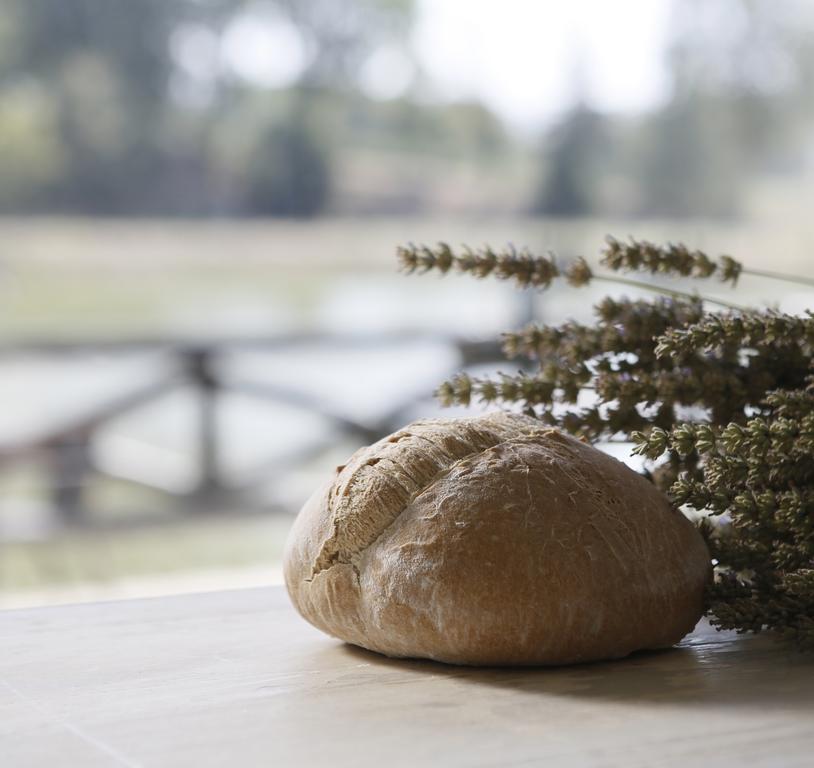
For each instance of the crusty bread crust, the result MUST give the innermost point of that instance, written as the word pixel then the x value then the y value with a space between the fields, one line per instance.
pixel 494 540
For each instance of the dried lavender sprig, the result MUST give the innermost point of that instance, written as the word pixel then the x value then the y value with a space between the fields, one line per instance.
pixel 524 268
pixel 637 255
pixel 508 264
pixel 463 389
pixel 755 328
pixel 678 259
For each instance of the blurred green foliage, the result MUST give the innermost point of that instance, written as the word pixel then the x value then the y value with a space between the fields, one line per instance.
pixel 98 114
pixel 116 107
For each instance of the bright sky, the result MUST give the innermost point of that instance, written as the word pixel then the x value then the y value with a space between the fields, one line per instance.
pixel 527 59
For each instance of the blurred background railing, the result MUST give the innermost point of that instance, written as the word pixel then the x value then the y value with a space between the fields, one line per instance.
pixel 67 451
pixel 199 205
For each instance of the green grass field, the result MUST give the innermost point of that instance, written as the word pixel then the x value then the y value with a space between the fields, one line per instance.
pixel 77 278
pixel 89 563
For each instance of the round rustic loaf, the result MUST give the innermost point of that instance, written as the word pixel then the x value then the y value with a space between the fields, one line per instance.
pixel 494 540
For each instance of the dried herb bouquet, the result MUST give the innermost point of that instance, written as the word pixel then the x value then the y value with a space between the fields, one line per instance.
pixel 720 403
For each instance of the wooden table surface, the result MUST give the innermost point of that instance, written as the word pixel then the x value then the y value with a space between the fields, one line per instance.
pixel 238 679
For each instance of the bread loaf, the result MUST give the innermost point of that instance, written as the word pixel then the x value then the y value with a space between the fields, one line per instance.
pixel 494 540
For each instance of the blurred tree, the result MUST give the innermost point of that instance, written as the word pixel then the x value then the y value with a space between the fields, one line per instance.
pixel 686 164
pixel 112 108
pixel 106 66
pixel 340 34
pixel 572 159
pixel 740 82
pixel 293 177
pixel 738 69
pixel 33 161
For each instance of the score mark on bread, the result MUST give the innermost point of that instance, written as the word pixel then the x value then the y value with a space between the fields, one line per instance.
pixel 381 481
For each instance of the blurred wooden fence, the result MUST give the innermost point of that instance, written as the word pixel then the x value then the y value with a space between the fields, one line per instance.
pixel 65 451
